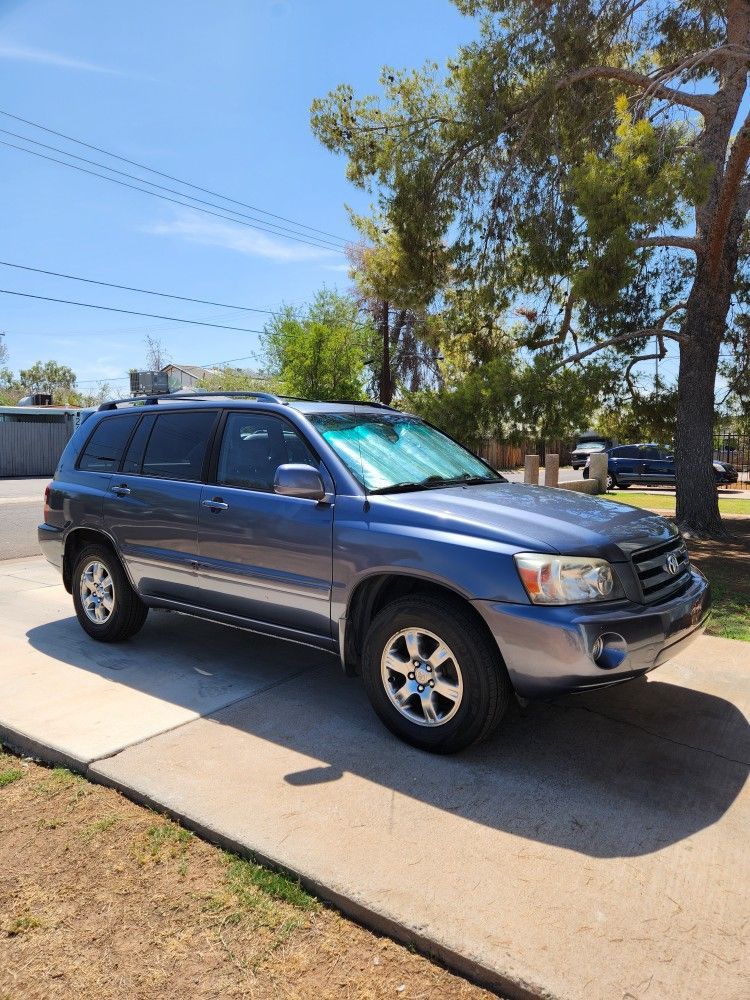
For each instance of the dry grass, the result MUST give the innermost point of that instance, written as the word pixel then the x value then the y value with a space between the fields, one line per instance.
pixel 102 899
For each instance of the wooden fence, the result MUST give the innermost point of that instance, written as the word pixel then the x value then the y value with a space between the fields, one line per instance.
pixel 501 455
pixel 31 448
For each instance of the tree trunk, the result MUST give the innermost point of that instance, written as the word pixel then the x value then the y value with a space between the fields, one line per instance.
pixel 705 321
pixel 386 377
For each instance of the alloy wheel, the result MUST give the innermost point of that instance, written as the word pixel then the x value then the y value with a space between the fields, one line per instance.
pixel 421 677
pixel 97 592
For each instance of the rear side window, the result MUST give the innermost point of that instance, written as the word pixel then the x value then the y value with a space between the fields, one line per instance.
pixel 178 445
pixel 104 448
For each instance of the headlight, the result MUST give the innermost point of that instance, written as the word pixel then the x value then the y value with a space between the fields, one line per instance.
pixel 566 579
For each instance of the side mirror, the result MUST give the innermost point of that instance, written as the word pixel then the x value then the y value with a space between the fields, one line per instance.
pixel 301 481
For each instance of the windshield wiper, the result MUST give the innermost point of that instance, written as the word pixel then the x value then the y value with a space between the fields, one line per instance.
pixel 401 488
pixel 434 483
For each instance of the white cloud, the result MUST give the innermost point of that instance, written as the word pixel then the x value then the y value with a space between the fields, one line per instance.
pixel 192 227
pixel 24 53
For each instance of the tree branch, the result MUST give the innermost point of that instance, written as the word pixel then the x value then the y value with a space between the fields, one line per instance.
pixel 731 188
pixel 621 338
pixel 698 102
pixel 683 242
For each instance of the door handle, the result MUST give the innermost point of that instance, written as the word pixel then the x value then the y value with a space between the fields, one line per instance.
pixel 215 504
pixel 121 491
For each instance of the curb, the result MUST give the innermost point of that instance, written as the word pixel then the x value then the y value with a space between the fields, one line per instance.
pixel 509 987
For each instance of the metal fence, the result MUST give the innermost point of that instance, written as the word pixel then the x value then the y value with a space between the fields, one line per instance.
pixel 33 448
pixel 735 449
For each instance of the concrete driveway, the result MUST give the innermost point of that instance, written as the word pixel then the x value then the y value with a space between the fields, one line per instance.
pixel 597 848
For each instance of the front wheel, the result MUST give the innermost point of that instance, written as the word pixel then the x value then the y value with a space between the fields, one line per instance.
pixel 106 605
pixel 433 675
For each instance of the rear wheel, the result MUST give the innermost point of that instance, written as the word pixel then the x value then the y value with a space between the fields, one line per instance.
pixel 433 675
pixel 612 483
pixel 106 605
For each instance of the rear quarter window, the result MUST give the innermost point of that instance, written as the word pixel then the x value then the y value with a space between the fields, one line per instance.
pixel 104 449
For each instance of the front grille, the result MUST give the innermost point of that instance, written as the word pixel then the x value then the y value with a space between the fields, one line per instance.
pixel 650 565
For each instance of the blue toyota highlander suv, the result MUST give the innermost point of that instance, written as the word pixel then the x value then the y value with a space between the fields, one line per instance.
pixel 365 531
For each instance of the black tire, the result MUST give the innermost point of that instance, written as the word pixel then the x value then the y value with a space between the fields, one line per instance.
pixel 486 685
pixel 128 612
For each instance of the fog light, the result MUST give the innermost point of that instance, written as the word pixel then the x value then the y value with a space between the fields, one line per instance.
pixel 609 651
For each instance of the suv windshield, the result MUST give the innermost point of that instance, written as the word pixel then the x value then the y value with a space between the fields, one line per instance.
pixel 387 452
pixel 591 446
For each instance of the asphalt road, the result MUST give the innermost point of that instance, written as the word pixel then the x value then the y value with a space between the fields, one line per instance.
pixel 21 507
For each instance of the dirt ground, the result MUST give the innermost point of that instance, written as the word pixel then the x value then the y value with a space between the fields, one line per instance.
pixel 103 899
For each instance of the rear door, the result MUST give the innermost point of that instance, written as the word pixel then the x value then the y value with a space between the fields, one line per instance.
pixel 658 467
pixel 152 505
pixel 265 557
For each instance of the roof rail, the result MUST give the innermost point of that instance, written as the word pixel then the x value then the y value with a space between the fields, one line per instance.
pixel 348 402
pixel 112 404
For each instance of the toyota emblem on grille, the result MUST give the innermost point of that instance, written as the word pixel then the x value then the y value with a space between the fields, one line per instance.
pixel 671 564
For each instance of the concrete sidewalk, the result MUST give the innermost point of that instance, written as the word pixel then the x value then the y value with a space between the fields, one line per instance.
pixel 596 848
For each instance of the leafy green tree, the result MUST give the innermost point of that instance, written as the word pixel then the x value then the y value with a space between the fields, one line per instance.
pixel 236 380
pixel 403 351
pixel 50 377
pixel 319 352
pixel 575 148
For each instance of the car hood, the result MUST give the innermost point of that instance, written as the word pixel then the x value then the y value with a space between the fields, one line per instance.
pixel 534 517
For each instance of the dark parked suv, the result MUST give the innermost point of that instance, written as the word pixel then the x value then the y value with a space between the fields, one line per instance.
pixel 364 531
pixel 650 465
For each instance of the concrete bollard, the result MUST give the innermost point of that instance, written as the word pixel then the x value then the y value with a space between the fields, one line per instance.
pixel 551 470
pixel 598 469
pixel 531 470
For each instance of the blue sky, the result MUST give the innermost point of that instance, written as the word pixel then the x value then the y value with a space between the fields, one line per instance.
pixel 218 94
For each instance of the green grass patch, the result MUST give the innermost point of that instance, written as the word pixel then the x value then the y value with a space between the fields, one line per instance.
pixel 731 613
pixel 59 780
pixel 21 925
pixel 249 882
pixel 666 502
pixel 163 842
pixel 8 776
pixel 100 826
pixel 9 769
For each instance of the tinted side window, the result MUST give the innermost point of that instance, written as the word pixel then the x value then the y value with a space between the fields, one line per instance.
pixel 650 452
pixel 628 452
pixel 104 448
pixel 254 445
pixel 177 445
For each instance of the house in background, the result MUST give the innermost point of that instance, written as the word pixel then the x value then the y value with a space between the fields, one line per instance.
pixel 186 376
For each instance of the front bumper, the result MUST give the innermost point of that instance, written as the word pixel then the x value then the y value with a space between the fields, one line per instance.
pixel 547 650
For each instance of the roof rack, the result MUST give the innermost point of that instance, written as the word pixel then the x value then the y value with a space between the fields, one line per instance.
pixel 112 404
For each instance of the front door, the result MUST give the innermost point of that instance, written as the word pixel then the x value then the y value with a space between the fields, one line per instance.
pixel 152 505
pixel 264 557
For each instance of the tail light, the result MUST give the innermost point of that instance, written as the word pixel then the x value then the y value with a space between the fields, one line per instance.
pixel 47 488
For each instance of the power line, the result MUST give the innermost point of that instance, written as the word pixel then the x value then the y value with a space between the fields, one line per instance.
pixel 159 173
pixel 175 201
pixel 129 288
pixel 130 312
pixel 278 230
